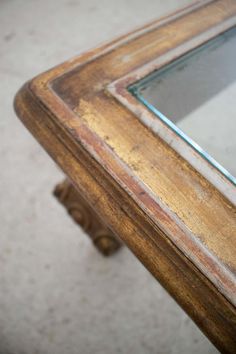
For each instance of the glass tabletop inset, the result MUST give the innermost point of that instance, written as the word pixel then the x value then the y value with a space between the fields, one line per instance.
pixel 196 97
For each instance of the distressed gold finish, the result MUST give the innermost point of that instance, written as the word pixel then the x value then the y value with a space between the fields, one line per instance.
pixel 181 227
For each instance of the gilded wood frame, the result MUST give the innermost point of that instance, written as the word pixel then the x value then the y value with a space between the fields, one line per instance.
pixel 175 220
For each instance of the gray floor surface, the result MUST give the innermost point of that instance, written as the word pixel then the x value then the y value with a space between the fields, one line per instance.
pixel 57 294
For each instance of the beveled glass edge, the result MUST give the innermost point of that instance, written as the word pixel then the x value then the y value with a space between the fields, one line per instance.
pixel 134 90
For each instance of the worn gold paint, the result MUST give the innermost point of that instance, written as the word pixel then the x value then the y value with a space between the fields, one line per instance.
pixel 132 175
pixel 197 205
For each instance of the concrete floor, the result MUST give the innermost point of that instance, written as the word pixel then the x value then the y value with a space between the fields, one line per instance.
pixel 57 294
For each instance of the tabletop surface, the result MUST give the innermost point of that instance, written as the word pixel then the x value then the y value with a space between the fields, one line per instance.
pixel 124 146
pixel 158 186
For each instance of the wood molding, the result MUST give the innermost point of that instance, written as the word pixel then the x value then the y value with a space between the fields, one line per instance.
pixel 175 221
